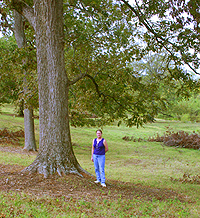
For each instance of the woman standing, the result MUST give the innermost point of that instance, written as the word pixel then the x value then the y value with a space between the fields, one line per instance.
pixel 99 148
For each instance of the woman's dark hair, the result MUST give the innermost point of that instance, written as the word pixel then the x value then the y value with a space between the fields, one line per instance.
pixel 99 131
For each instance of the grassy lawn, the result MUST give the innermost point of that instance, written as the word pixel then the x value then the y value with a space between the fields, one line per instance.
pixel 146 163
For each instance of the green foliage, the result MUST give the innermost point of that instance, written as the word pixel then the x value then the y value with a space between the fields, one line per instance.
pixel 98 45
pixel 102 38
pixel 188 110
pixel 12 86
pixel 9 84
pixel 174 31
pixel 185 110
pixel 165 85
pixel 99 49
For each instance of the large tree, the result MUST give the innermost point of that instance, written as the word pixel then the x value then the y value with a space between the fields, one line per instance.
pixel 55 152
pixel 102 73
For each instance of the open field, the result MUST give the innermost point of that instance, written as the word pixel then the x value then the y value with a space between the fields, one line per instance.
pixel 144 179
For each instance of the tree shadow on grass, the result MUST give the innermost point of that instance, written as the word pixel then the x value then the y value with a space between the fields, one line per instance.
pixel 76 187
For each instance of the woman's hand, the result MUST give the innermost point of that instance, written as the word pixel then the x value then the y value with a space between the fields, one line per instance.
pixel 92 159
pixel 105 145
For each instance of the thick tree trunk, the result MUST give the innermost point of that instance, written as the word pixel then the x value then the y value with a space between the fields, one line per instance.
pixel 28 112
pixel 55 150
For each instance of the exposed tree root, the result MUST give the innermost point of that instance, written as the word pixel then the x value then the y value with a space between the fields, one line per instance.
pixel 61 168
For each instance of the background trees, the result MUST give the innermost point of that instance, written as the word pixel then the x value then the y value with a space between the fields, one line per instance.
pixel 180 97
pixel 22 66
pixel 9 86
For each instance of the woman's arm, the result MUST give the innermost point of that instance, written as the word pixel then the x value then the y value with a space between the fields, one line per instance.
pixel 105 145
pixel 92 150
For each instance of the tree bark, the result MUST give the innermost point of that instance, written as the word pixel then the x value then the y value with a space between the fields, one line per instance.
pixel 30 143
pixel 55 150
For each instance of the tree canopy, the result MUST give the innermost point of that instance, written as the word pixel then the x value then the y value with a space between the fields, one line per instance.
pixel 172 25
pixel 103 38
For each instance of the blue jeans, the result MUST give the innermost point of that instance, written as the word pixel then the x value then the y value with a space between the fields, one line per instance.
pixel 99 165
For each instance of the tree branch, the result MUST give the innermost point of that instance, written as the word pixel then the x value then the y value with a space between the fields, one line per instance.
pixel 108 96
pixel 19 30
pixel 96 85
pixel 25 10
pixel 80 76
pixel 142 19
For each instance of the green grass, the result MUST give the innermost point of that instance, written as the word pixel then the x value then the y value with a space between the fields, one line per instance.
pixel 7 109
pixel 16 158
pixel 148 163
pixel 23 205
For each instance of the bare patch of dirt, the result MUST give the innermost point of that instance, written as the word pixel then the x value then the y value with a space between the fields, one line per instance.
pixel 76 187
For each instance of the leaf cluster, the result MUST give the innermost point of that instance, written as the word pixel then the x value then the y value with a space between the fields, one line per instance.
pixel 99 45
pixel 12 76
